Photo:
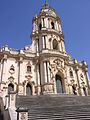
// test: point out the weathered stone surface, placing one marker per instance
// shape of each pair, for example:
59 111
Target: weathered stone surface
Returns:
53 107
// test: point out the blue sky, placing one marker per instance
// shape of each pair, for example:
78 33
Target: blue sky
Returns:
16 24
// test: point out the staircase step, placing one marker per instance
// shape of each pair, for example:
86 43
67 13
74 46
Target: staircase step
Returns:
55 107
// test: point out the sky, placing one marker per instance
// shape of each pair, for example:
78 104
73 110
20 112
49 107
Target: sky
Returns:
16 24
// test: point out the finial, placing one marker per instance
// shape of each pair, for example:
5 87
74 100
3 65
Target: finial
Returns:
46 3
36 14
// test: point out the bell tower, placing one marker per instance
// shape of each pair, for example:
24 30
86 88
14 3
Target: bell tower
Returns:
47 32
47 44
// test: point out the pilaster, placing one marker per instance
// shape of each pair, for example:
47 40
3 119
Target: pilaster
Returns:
45 73
78 81
48 72
20 77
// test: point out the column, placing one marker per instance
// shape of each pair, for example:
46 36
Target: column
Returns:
38 74
78 84
87 78
59 43
45 39
60 29
63 47
4 68
51 43
87 81
45 73
43 42
56 25
42 22
37 46
48 72
54 81
20 76
34 27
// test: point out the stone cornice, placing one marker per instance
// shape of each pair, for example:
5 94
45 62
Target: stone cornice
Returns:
52 53
16 54
44 15
48 31
76 64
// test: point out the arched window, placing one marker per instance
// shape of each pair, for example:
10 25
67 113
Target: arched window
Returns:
59 86
74 89
40 26
55 44
28 68
52 24
28 89
71 73
10 87
84 90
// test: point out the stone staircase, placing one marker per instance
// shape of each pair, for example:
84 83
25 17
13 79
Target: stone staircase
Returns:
55 107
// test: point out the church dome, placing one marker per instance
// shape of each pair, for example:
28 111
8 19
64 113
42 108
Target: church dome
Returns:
47 10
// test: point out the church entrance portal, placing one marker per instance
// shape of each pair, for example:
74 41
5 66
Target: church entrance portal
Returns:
59 87
28 89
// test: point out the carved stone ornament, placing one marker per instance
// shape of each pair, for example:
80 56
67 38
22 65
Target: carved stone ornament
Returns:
12 69
83 84
48 88
71 72
28 77
23 116
81 76
59 62
72 81
28 63
57 66
11 79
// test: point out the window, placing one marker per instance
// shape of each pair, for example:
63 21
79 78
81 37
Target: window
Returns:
28 68
74 89
55 44
52 24
28 89
84 90
71 74
10 87
40 26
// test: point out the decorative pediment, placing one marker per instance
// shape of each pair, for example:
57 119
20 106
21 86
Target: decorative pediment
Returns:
83 84
29 81
72 81
28 76
28 64
59 63
11 79
12 69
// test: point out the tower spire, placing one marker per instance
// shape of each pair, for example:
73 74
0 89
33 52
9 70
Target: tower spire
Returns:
46 3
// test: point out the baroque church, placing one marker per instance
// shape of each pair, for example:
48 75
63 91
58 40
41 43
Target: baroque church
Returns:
42 81
44 67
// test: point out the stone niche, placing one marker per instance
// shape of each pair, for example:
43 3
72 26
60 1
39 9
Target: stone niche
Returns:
47 88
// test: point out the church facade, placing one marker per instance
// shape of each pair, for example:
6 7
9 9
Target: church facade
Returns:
43 67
